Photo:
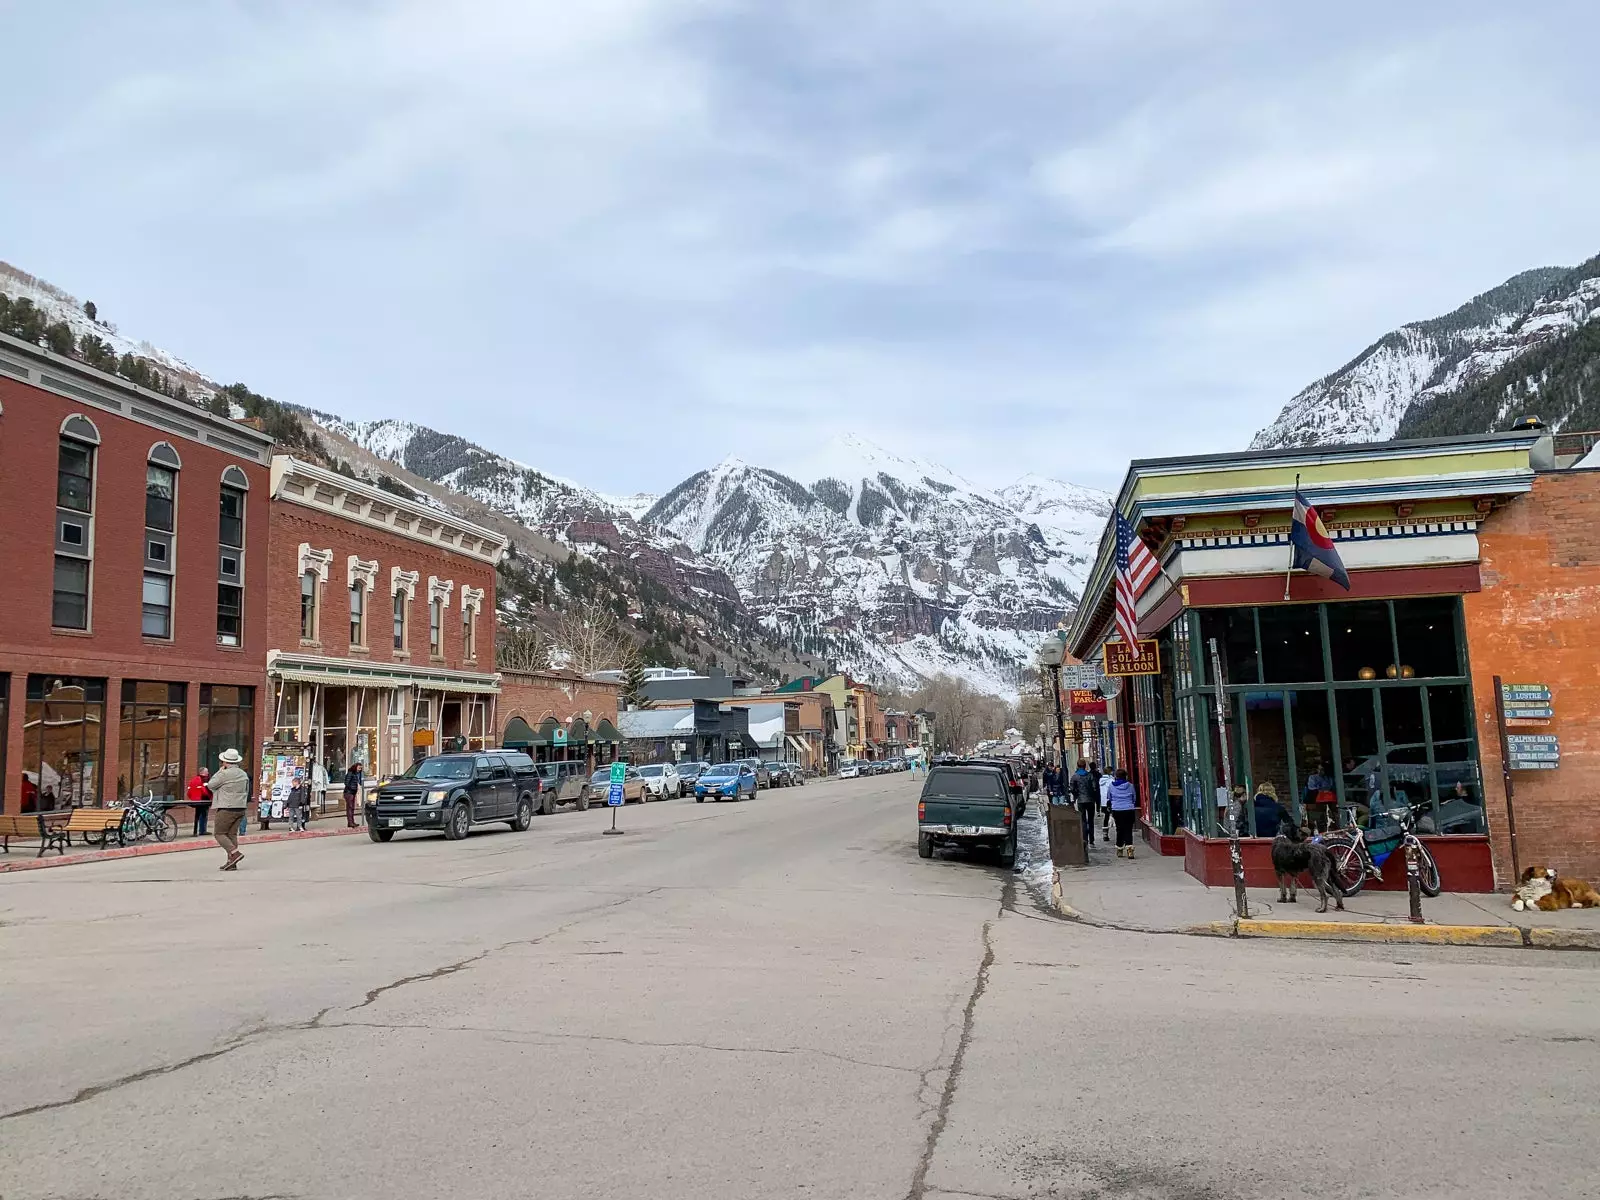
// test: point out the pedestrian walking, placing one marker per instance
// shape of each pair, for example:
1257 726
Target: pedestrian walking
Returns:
199 797
1052 784
230 794
1103 782
296 802
1087 797
352 789
1124 802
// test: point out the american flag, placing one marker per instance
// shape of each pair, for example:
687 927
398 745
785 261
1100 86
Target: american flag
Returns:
1136 567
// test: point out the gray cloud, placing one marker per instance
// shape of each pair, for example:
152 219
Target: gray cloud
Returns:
624 238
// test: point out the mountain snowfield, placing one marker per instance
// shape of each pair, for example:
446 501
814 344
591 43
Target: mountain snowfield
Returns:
1367 399
894 567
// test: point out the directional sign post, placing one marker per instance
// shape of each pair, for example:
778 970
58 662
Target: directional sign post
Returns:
614 796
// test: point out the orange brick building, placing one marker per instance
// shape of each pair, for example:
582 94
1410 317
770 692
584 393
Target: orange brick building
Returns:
1534 621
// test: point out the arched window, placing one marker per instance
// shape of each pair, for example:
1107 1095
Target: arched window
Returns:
161 488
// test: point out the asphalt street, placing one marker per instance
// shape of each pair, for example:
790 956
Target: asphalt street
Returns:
774 998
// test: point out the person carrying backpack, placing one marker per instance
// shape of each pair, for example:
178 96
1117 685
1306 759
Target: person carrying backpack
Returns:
1086 796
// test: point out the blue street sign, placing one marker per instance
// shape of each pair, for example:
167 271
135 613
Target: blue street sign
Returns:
614 796
1530 740
1535 692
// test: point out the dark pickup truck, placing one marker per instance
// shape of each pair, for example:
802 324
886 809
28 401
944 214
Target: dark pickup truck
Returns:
454 792
970 804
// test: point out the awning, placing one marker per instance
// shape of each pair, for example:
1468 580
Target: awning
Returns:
342 672
518 735
578 732
605 731
799 746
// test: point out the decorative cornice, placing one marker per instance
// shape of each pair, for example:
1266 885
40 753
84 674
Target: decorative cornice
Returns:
440 589
472 598
315 560
403 581
325 491
362 569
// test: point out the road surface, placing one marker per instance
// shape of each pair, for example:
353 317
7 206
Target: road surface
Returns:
775 998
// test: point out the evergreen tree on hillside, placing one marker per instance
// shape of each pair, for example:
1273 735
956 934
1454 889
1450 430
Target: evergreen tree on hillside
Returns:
58 336
90 311
632 693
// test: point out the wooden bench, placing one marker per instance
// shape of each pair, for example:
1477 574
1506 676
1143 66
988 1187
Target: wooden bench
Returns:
48 827
86 821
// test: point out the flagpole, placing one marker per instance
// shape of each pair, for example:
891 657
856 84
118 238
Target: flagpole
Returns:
1289 574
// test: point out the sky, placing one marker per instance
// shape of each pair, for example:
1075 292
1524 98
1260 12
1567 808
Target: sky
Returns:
623 239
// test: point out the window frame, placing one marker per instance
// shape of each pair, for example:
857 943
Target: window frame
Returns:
153 497
87 566
310 607
402 621
91 454
358 615
436 627
145 607
239 634
223 519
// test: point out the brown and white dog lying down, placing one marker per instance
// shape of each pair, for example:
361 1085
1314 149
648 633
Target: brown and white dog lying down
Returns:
1542 888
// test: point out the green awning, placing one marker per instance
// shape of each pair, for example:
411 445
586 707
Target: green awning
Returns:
577 732
518 735
605 731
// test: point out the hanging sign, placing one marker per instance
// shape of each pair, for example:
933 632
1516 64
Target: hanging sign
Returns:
559 736
1086 702
1122 659
1081 675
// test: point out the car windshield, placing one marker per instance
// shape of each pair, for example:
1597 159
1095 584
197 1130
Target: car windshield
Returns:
440 768
722 771
601 776
965 785
652 771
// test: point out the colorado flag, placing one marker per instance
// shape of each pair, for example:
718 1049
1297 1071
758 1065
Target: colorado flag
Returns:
1313 546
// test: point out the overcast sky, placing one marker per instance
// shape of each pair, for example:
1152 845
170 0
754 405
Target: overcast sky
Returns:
620 239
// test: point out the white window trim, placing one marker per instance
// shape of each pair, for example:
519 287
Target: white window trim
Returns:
441 589
403 581
363 570
315 560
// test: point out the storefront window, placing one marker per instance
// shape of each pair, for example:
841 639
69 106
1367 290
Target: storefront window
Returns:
227 721
1382 720
150 743
63 736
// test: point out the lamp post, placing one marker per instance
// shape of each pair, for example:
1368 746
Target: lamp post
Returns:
1063 821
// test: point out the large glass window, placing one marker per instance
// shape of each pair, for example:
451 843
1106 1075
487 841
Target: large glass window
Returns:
150 758
399 620
63 739
69 601
1373 708
227 722
160 494
358 615
75 476
156 610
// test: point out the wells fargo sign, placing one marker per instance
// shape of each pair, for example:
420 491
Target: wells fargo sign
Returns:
1086 702
1143 659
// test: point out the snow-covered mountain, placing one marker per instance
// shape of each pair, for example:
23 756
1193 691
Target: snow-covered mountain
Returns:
896 568
1368 398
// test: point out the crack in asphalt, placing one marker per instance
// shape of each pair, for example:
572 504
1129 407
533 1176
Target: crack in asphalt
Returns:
260 1032
549 1036
919 1180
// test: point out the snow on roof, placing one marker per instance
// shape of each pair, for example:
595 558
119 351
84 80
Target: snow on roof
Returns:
654 722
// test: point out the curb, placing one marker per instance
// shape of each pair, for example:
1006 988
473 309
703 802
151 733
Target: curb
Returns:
1372 932
201 843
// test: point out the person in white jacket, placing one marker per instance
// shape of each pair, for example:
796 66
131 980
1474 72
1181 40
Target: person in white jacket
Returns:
1105 804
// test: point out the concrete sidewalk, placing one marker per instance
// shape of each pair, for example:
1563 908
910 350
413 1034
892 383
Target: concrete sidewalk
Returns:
23 854
1152 894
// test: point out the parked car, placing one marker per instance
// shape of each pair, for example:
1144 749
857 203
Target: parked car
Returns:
763 771
454 792
633 786
733 780
968 805
780 774
690 771
562 783
662 781
849 769
793 774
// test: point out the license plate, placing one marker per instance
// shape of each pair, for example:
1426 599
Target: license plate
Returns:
397 822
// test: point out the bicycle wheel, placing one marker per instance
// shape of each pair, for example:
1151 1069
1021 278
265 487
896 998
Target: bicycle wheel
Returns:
1349 865
166 827
134 829
1428 872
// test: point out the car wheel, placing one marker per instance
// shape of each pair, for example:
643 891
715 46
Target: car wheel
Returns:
1008 852
699 799
583 799
547 803
379 835
924 845
524 816
459 823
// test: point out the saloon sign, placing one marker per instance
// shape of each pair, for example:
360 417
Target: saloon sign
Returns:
1122 659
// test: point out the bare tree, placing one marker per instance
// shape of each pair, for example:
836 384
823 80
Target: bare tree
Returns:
587 639
526 649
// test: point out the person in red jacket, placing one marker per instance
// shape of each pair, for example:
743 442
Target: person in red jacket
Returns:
199 795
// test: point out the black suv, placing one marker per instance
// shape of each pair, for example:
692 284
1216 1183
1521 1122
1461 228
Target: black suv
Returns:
454 792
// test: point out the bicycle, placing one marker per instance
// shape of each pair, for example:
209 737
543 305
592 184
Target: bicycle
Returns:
141 819
1356 858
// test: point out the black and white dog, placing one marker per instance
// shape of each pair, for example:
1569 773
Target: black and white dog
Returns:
1292 854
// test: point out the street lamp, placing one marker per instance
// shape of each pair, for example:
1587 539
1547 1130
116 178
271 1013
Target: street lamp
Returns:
1064 822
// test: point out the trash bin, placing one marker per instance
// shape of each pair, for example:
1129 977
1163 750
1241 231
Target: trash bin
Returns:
1066 836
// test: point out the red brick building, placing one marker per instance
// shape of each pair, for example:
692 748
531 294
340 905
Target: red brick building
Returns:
134 532
559 715
1533 621
380 623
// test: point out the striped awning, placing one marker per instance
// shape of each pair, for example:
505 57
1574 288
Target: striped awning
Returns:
798 746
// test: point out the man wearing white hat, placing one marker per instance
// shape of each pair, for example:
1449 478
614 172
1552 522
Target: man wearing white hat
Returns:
230 793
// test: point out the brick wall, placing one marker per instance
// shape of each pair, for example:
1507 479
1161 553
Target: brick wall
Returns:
533 696
115 649
293 524
1535 622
